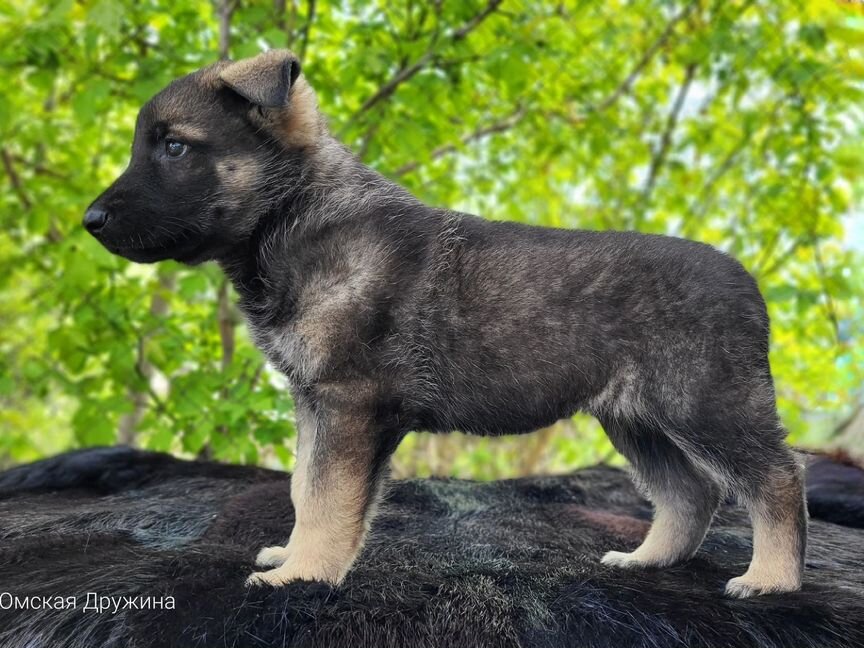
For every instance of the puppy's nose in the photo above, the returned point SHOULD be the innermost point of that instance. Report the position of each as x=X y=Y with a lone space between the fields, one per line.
x=95 y=219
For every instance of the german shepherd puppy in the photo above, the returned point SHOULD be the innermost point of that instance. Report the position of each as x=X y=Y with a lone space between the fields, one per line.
x=388 y=315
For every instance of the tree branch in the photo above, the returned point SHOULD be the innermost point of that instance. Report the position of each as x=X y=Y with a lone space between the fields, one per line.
x=366 y=140
x=128 y=426
x=659 y=156
x=15 y=179
x=799 y=240
x=504 y=124
x=225 y=12
x=830 y=308
x=847 y=422
x=407 y=72
x=703 y=202
x=307 y=26
x=780 y=260
x=226 y=326
x=38 y=169
x=472 y=24
x=646 y=58
x=496 y=127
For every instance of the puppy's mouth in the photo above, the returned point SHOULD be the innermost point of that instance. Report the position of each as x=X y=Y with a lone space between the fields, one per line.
x=183 y=246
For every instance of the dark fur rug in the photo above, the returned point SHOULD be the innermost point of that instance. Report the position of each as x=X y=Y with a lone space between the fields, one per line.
x=448 y=563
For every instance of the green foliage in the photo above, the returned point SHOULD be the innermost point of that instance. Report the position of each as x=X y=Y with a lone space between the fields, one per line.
x=736 y=123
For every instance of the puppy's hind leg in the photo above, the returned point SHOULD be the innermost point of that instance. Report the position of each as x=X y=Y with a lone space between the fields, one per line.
x=684 y=497
x=779 y=515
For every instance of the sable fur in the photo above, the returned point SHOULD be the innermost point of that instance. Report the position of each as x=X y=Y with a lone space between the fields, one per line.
x=388 y=315
x=448 y=563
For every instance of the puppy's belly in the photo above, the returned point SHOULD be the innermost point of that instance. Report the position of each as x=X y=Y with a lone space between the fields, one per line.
x=490 y=416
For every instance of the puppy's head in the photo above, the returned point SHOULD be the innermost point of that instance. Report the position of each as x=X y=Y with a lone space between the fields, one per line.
x=211 y=154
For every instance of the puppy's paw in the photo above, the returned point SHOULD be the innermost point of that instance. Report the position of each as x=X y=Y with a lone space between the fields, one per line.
x=623 y=560
x=271 y=578
x=741 y=588
x=747 y=586
x=272 y=556
x=295 y=570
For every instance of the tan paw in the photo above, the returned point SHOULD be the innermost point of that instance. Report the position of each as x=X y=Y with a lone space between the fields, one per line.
x=272 y=556
x=747 y=586
x=273 y=578
x=294 y=570
x=623 y=560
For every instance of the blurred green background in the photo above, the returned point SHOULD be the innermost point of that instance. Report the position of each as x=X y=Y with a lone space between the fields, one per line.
x=738 y=123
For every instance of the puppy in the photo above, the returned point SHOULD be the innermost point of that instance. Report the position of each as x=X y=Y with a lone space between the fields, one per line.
x=388 y=315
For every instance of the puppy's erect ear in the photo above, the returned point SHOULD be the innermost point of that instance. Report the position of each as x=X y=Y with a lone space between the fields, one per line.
x=266 y=79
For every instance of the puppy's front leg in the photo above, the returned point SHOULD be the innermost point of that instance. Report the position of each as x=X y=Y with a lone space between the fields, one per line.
x=342 y=456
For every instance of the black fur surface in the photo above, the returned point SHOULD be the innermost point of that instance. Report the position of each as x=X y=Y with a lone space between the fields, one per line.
x=447 y=563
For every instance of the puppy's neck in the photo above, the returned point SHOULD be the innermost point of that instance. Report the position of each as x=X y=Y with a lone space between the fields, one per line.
x=328 y=191
x=320 y=186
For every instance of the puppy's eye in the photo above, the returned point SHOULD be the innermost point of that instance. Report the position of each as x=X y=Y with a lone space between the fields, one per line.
x=175 y=149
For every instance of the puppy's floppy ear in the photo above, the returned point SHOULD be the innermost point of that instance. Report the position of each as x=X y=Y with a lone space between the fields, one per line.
x=266 y=79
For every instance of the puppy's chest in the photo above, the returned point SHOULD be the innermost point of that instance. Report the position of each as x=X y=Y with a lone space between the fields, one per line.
x=286 y=350
x=307 y=345
x=323 y=328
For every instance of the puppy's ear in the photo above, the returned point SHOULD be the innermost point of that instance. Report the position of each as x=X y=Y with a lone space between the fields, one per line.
x=266 y=79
